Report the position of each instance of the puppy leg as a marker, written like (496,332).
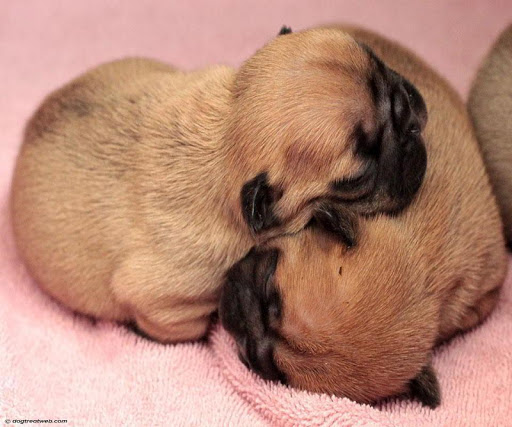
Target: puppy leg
(464,318)
(160,329)
(479,312)
(156,302)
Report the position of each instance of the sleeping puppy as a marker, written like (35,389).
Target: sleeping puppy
(362,323)
(490,107)
(138,185)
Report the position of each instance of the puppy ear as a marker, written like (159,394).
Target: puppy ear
(337,220)
(257,198)
(425,387)
(284,30)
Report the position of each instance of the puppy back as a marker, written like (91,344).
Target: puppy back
(490,108)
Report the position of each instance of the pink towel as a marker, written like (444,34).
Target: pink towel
(54,365)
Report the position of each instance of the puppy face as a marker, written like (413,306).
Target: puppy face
(317,116)
(359,324)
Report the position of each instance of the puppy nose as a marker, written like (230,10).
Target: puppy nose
(401,110)
(408,112)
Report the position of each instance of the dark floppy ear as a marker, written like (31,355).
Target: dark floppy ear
(337,220)
(284,30)
(257,198)
(425,387)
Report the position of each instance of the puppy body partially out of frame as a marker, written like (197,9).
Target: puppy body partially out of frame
(362,323)
(138,185)
(490,107)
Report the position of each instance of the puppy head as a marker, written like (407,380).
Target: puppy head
(359,324)
(316,115)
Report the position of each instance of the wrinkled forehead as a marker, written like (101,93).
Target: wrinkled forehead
(331,59)
(327,67)
(332,48)
(306,92)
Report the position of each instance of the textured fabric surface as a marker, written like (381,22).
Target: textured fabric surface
(57,365)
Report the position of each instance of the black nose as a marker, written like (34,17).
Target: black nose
(417,103)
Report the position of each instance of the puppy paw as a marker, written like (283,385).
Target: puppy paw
(133,327)
(169,332)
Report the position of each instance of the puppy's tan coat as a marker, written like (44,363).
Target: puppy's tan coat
(362,323)
(138,185)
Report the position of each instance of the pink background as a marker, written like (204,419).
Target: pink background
(43,43)
(55,365)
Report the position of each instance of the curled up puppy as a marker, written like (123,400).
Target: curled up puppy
(138,185)
(362,323)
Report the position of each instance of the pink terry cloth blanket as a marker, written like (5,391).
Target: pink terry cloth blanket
(55,365)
